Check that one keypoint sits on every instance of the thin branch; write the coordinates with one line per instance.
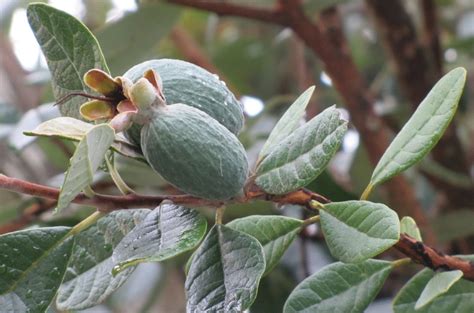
(104, 202)
(429, 257)
(224, 8)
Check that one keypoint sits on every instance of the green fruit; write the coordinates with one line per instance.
(184, 82)
(194, 152)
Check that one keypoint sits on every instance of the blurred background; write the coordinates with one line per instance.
(399, 48)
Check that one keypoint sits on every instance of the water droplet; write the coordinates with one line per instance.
(3, 268)
(117, 269)
(36, 248)
(29, 293)
(15, 250)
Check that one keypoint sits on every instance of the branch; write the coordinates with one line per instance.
(102, 202)
(429, 257)
(417, 251)
(275, 16)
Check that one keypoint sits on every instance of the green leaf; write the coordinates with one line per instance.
(87, 158)
(62, 127)
(424, 129)
(339, 287)
(167, 231)
(73, 129)
(288, 123)
(88, 279)
(436, 286)
(140, 32)
(458, 299)
(32, 266)
(275, 234)
(408, 226)
(302, 156)
(70, 50)
(358, 230)
(225, 272)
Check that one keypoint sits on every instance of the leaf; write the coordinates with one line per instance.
(458, 299)
(275, 234)
(73, 129)
(436, 286)
(288, 123)
(225, 272)
(167, 231)
(70, 50)
(424, 129)
(339, 287)
(302, 156)
(87, 158)
(358, 230)
(139, 32)
(408, 226)
(88, 279)
(62, 127)
(32, 266)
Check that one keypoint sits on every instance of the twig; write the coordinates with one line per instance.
(429, 257)
(226, 8)
(104, 202)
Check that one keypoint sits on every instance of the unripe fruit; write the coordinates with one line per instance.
(194, 152)
(184, 82)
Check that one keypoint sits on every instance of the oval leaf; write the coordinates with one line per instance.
(32, 266)
(88, 280)
(436, 286)
(166, 232)
(408, 226)
(275, 234)
(87, 158)
(302, 156)
(339, 287)
(358, 230)
(73, 129)
(288, 123)
(458, 299)
(225, 272)
(70, 50)
(424, 129)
